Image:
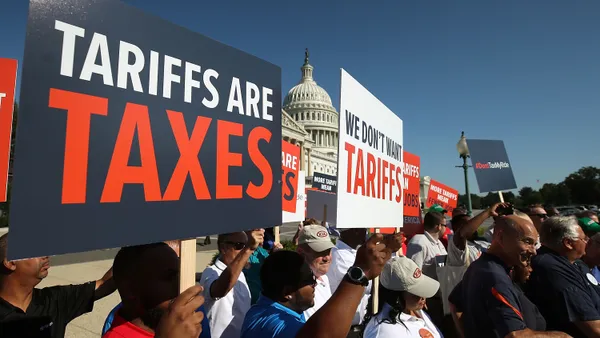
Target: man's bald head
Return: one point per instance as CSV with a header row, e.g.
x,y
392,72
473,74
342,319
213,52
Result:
x,y
515,238
518,223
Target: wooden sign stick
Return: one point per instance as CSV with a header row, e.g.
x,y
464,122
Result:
x,y
501,196
187,264
276,234
324,214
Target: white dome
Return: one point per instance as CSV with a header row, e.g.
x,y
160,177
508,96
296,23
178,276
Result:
x,y
307,94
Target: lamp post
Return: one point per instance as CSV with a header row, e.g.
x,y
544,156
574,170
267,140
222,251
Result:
x,y
463,151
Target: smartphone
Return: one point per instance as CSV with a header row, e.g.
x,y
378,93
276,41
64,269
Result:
x,y
505,210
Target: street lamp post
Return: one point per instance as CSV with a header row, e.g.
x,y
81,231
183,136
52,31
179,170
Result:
x,y
463,151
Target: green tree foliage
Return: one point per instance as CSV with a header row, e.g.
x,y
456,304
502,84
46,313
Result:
x,y
581,187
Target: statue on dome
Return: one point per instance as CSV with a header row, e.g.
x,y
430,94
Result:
x,y
306,55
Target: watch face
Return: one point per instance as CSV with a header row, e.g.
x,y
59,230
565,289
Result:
x,y
356,273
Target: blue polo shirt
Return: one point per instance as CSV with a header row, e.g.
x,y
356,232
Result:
x,y
490,301
270,319
562,292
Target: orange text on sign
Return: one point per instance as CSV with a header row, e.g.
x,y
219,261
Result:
x,y
81,107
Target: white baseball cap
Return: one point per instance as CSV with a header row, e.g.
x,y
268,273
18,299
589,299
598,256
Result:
x,y
402,274
316,237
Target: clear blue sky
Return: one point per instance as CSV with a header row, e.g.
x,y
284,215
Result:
x,y
526,72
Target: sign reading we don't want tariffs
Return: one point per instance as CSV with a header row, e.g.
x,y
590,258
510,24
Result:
x,y
135,130
369,160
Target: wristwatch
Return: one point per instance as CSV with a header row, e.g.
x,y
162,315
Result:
x,y
356,275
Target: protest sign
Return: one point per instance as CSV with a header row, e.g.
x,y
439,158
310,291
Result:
x,y
321,206
298,214
135,130
369,160
290,160
324,182
412,191
443,195
412,208
8,81
491,165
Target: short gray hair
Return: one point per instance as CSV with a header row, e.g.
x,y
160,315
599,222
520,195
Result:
x,y
557,228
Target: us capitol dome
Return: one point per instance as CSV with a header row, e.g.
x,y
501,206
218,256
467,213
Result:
x,y
310,121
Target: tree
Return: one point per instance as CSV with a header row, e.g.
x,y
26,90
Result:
x,y
556,194
584,185
475,200
529,196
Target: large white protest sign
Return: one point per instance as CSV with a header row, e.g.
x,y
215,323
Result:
x,y
297,216
369,160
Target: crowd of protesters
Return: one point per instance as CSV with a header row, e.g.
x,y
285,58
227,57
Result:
x,y
533,273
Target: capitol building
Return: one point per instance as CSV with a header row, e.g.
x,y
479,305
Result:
x,y
310,121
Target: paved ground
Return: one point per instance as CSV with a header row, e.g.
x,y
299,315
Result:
x,y
84,267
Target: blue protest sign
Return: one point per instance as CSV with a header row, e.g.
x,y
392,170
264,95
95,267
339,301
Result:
x,y
135,130
492,167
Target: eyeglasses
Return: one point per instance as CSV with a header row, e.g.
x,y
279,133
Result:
x,y
310,280
236,245
584,239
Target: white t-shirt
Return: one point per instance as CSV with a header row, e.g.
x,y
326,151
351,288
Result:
x,y
322,295
225,315
415,327
423,249
342,258
458,257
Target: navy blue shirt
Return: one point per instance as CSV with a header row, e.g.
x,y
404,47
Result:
x,y
489,300
561,292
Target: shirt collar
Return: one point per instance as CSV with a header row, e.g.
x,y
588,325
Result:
x,y
220,265
403,316
431,239
268,302
488,256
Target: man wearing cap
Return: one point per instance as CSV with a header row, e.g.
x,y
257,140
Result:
x,y
315,245
448,230
403,290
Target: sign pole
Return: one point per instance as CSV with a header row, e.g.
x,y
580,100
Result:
x,y
187,264
325,215
276,234
501,196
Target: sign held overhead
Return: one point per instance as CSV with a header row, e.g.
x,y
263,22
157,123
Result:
x,y
491,165
369,160
154,133
8,81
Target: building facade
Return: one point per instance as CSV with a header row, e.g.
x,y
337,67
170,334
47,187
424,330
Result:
x,y
310,121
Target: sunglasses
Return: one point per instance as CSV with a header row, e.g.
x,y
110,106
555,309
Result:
x,y
236,245
309,280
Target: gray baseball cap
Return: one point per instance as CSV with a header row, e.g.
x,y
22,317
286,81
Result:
x,y
316,237
402,274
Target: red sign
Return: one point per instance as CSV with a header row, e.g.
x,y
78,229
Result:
x,y
8,78
442,195
411,165
290,160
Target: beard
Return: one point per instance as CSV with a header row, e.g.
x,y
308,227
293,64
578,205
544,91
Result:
x,y
152,317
